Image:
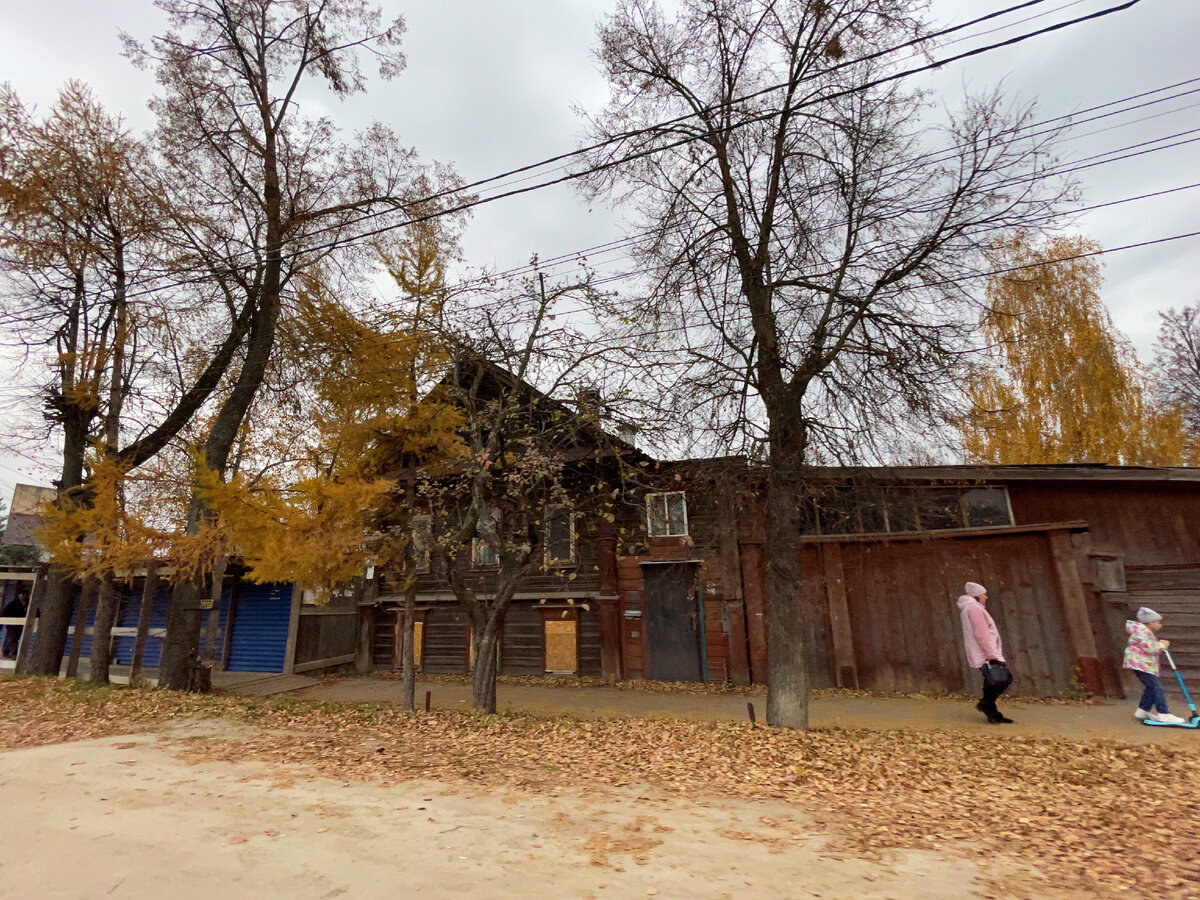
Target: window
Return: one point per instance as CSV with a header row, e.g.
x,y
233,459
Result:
x,y
987,506
559,533
940,509
666,514
422,535
483,554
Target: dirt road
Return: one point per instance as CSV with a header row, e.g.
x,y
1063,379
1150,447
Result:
x,y
132,817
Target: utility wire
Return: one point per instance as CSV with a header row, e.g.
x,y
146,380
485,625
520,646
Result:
x,y
577,256
631,157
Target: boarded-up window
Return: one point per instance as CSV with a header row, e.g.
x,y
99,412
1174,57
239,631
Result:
x,y
418,641
559,529
666,514
562,645
485,555
421,539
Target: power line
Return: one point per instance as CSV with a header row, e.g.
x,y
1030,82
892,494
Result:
x,y
574,257
573,176
1108,157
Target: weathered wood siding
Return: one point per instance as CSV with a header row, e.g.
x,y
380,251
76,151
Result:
x,y
1148,524
904,621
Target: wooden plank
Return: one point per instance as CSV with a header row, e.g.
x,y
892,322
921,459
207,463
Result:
x,y
149,588
1075,609
324,663
845,666
289,653
609,615
754,592
739,650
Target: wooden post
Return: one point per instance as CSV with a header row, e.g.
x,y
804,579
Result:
x,y
739,656
608,609
85,600
366,638
149,589
289,654
37,590
754,590
1079,622
845,662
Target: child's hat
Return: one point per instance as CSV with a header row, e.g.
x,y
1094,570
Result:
x,y
1147,615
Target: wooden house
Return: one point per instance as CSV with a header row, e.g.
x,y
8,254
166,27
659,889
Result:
x,y
676,589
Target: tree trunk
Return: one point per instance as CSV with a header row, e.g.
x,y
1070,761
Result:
x,y
106,611
58,605
182,640
486,643
788,606
143,626
55,621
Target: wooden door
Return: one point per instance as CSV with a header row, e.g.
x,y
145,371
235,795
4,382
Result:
x,y
672,623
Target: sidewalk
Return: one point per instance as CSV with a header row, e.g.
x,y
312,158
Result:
x,y
1104,720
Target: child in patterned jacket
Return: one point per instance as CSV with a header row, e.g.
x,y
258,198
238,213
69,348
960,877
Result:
x,y
1141,655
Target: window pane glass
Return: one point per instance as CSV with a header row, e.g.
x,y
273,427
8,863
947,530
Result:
x,y
677,513
987,506
656,514
560,544
939,510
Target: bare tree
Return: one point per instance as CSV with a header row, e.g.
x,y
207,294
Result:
x,y
1176,367
806,238
533,441
274,193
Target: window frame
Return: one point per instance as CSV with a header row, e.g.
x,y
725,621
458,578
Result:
x,y
479,545
666,514
422,540
559,562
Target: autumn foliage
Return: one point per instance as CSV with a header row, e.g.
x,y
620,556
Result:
x,y
1060,384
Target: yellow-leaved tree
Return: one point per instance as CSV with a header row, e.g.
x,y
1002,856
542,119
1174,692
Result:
x,y
318,496
1060,384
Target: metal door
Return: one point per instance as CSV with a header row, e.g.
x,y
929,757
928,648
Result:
x,y
258,640
672,622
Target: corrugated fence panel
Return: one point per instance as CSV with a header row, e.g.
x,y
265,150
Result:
x,y
258,641
130,610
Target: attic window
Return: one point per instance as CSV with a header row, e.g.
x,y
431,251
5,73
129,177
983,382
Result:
x,y
666,514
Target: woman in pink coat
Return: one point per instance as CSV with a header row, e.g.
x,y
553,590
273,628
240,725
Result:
x,y
985,651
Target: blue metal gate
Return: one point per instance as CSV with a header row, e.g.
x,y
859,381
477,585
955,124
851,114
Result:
x,y
259,627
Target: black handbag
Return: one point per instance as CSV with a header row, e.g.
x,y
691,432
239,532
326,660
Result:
x,y
996,674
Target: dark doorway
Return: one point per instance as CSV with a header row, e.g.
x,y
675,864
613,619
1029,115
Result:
x,y
672,622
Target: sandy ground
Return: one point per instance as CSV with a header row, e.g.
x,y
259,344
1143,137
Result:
x,y
133,817
1104,720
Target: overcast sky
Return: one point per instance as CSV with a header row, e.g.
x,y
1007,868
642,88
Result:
x,y
491,84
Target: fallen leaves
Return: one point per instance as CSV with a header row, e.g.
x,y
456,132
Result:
x,y
1094,816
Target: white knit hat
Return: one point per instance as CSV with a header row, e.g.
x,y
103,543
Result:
x,y
971,589
1146,615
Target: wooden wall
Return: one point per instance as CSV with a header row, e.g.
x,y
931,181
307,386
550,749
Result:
x,y
904,623
1148,524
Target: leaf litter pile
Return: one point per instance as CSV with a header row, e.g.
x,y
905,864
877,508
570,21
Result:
x,y
1094,816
